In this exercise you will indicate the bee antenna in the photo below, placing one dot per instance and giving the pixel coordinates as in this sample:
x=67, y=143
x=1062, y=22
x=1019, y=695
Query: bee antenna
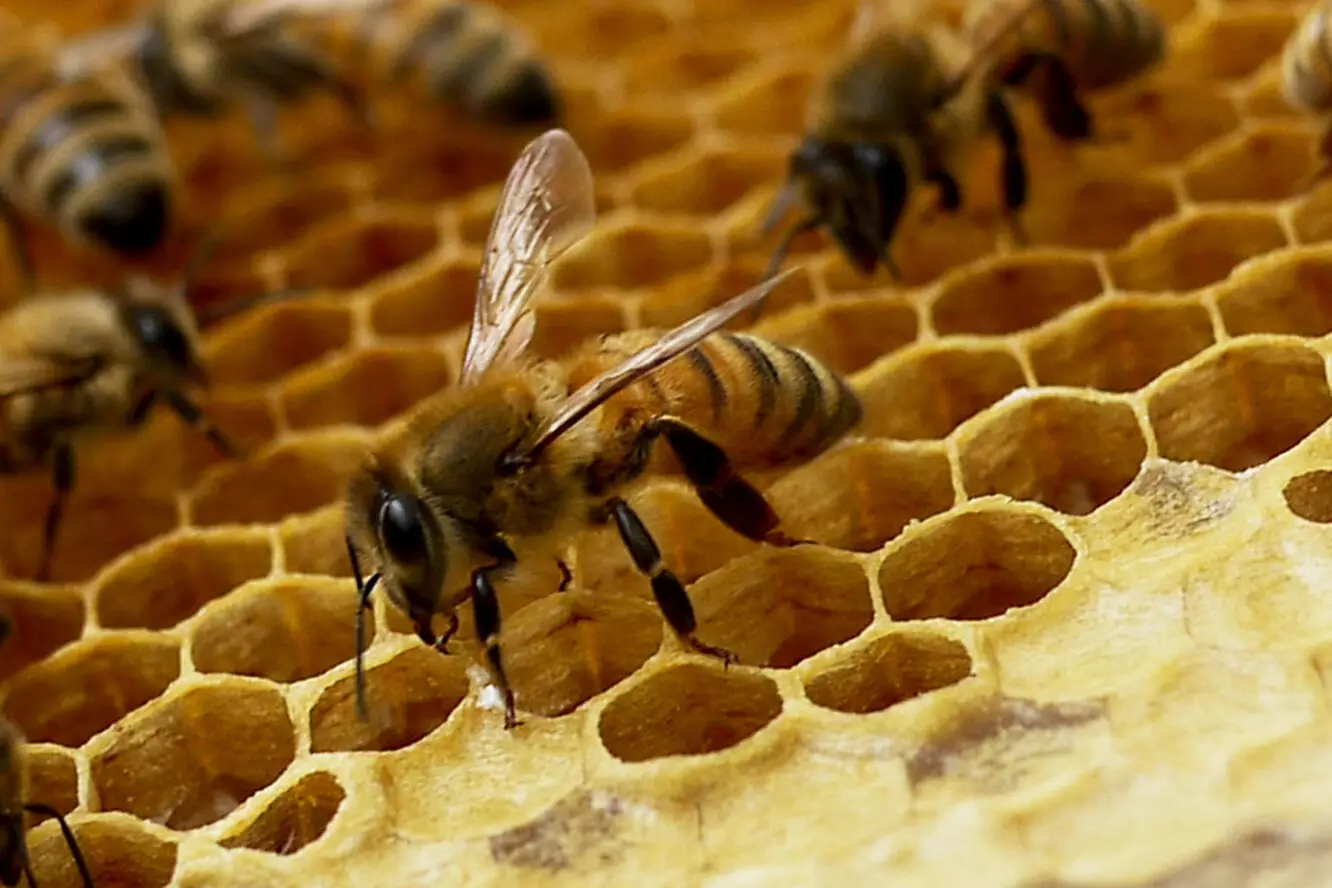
x=225, y=309
x=363, y=589
x=201, y=256
x=70, y=840
x=779, y=208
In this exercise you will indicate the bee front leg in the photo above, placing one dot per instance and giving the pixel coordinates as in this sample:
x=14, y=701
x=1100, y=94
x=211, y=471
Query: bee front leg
x=486, y=609
x=1000, y=118
x=672, y=598
x=62, y=476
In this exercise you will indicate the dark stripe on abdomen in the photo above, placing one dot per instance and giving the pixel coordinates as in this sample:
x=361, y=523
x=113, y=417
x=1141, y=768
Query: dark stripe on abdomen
x=432, y=39
x=91, y=165
x=716, y=391
x=61, y=124
x=811, y=400
x=764, y=370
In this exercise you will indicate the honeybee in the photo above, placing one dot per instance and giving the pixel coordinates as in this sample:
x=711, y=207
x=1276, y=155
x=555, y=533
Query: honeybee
x=14, y=805
x=1062, y=48
x=1306, y=69
x=904, y=105
x=523, y=452
x=82, y=149
x=82, y=362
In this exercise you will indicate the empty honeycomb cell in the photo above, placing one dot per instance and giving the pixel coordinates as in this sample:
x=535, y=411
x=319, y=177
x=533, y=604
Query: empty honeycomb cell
x=632, y=254
x=1014, y=293
x=673, y=69
x=283, y=630
x=1290, y=296
x=626, y=135
x=1102, y=213
x=53, y=780
x=861, y=495
x=1233, y=45
x=316, y=544
x=297, y=818
x=563, y=326
x=846, y=334
x=1312, y=218
x=1071, y=454
x=222, y=286
x=689, y=709
x=190, y=758
x=353, y=254
x=889, y=670
x=771, y=101
x=1310, y=496
x=298, y=477
x=974, y=566
x=408, y=697
x=158, y=587
x=707, y=182
x=603, y=29
x=42, y=620
x=1269, y=163
x=366, y=388
x=118, y=851
x=438, y=298
x=271, y=341
x=1196, y=250
x=429, y=173
x=279, y=215
x=85, y=688
x=1240, y=405
x=1165, y=122
x=930, y=389
x=776, y=607
x=1120, y=345
x=563, y=650
x=688, y=295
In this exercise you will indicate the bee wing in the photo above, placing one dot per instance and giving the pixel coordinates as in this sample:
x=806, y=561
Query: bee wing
x=546, y=206
x=873, y=16
x=35, y=372
x=664, y=350
x=79, y=56
x=245, y=17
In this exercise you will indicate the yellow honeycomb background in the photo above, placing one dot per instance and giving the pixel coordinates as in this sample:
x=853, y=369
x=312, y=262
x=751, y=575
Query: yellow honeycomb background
x=1072, y=624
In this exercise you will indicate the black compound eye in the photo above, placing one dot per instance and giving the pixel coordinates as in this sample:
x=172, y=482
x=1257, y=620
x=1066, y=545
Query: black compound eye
x=161, y=336
x=402, y=529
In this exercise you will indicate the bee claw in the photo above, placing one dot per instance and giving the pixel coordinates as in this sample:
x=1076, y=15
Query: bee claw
x=727, y=657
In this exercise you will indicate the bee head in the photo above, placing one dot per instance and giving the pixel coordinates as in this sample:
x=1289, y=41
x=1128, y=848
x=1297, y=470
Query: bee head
x=414, y=555
x=164, y=337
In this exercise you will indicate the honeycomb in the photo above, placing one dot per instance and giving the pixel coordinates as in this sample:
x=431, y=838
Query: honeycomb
x=1068, y=624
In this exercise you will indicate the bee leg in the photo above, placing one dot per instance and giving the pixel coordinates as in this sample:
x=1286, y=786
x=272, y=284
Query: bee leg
x=486, y=610
x=70, y=840
x=18, y=243
x=566, y=577
x=1015, y=166
x=672, y=598
x=1057, y=94
x=190, y=413
x=731, y=498
x=62, y=476
x=950, y=193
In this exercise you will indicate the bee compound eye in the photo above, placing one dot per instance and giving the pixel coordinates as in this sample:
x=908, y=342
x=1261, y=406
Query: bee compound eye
x=402, y=529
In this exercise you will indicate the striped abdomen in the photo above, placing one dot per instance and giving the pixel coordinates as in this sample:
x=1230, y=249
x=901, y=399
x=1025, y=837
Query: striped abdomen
x=83, y=153
x=1306, y=63
x=1103, y=43
x=763, y=403
x=469, y=54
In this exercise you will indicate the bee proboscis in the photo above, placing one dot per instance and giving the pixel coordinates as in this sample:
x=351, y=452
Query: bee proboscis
x=524, y=452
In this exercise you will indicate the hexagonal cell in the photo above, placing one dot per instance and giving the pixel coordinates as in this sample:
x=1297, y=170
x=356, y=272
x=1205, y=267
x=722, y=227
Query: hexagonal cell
x=1102, y=213
x=316, y=543
x=563, y=650
x=87, y=687
x=42, y=620
x=564, y=326
x=297, y=477
x=632, y=254
x=408, y=696
x=674, y=69
x=889, y=670
x=1071, y=454
x=272, y=340
x=770, y=101
x=707, y=181
x=1168, y=121
x=1196, y=250
x=1120, y=345
x=298, y=817
x=974, y=566
x=1014, y=293
x=688, y=295
x=357, y=251
x=776, y=607
x=1312, y=219
x=1310, y=496
x=689, y=709
x=627, y=135
x=366, y=388
x=928, y=245
x=601, y=30
x=1241, y=405
x=53, y=779
x=277, y=214
x=861, y=495
x=1292, y=294
x=117, y=849
x=1267, y=164
x=190, y=758
x=431, y=172
x=931, y=389
x=439, y=298
x=1234, y=45
x=284, y=630
x=847, y=334
x=158, y=587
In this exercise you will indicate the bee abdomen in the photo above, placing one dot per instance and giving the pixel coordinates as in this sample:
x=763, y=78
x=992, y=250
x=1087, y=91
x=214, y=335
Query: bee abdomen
x=1306, y=63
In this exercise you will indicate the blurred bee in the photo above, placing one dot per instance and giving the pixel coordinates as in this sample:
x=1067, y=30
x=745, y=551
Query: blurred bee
x=525, y=452
x=14, y=805
x=904, y=105
x=77, y=363
x=1062, y=48
x=1306, y=69
x=81, y=149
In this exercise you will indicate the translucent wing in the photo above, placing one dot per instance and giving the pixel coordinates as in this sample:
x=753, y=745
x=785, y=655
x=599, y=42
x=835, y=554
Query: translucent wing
x=250, y=14
x=81, y=55
x=546, y=207
x=664, y=350
x=33, y=373
x=873, y=16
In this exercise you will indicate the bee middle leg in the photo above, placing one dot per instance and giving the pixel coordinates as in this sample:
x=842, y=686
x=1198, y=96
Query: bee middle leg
x=62, y=476
x=1000, y=118
x=1056, y=93
x=191, y=414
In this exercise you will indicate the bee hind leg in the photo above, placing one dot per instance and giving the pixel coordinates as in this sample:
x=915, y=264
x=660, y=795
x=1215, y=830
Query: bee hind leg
x=671, y=595
x=1057, y=94
x=1001, y=120
x=62, y=476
